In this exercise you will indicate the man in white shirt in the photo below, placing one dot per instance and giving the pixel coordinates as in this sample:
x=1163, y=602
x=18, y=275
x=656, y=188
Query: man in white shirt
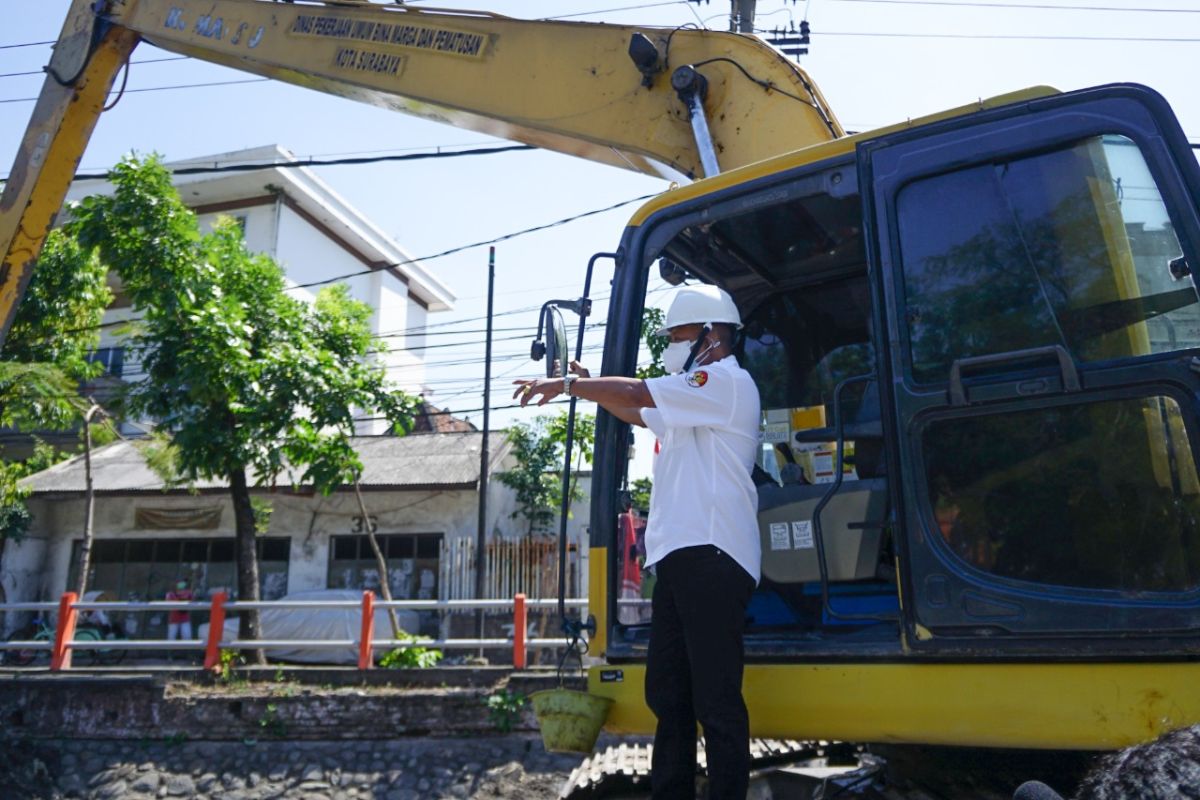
x=701, y=537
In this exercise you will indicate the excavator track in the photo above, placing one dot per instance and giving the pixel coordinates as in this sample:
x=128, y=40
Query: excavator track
x=817, y=770
x=623, y=771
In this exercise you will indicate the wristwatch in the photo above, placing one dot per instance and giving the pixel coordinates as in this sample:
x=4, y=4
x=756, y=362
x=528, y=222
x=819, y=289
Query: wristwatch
x=567, y=381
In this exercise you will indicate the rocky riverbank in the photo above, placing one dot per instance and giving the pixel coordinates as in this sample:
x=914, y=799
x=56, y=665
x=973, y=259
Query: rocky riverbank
x=428, y=768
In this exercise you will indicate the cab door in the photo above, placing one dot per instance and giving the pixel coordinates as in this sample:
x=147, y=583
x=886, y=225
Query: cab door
x=1033, y=268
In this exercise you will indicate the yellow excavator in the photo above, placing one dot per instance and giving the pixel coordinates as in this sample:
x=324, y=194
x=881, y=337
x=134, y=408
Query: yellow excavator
x=976, y=337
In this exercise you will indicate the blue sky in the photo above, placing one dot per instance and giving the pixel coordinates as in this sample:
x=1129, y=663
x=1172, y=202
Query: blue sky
x=877, y=61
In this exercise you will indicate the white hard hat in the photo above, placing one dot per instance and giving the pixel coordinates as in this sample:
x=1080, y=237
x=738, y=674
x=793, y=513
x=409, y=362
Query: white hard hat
x=701, y=303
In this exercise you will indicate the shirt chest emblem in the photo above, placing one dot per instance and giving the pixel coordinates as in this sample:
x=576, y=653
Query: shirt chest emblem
x=697, y=379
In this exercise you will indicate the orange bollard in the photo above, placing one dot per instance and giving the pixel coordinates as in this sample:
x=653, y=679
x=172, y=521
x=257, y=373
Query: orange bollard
x=60, y=655
x=216, y=632
x=519, y=625
x=365, y=661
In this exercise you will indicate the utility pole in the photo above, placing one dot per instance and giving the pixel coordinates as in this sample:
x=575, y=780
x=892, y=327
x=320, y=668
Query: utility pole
x=481, y=534
x=741, y=16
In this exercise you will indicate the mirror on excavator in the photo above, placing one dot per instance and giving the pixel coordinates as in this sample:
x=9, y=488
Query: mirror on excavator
x=554, y=348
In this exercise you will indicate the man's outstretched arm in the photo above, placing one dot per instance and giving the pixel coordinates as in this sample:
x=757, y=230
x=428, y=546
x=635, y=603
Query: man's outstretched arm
x=622, y=397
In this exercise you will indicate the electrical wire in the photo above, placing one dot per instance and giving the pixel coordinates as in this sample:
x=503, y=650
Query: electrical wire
x=1016, y=36
x=474, y=245
x=1037, y=6
x=143, y=61
x=416, y=331
x=25, y=44
x=312, y=162
x=333, y=162
x=448, y=412
x=611, y=10
x=768, y=85
x=160, y=88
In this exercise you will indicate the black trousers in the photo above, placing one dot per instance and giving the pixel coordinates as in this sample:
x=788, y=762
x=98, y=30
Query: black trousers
x=694, y=673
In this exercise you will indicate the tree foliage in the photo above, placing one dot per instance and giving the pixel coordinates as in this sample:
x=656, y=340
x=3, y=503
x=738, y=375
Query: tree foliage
x=249, y=381
x=14, y=516
x=539, y=448
x=56, y=321
x=43, y=358
x=652, y=320
x=639, y=492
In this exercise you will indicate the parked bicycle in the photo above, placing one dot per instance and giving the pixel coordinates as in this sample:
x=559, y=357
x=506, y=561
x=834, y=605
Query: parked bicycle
x=39, y=629
x=36, y=630
x=102, y=631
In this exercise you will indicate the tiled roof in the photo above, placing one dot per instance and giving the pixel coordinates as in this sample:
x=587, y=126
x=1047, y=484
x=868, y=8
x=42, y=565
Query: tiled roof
x=432, y=460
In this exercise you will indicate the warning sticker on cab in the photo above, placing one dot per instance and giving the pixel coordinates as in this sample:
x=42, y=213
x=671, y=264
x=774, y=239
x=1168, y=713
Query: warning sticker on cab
x=802, y=534
x=779, y=536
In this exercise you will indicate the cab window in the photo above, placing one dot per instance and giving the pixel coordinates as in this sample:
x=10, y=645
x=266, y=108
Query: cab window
x=1071, y=247
x=1099, y=495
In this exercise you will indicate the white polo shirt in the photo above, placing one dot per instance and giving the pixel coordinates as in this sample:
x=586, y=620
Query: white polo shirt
x=707, y=423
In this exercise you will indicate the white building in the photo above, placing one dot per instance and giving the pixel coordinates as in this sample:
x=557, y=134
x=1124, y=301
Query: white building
x=421, y=493
x=290, y=214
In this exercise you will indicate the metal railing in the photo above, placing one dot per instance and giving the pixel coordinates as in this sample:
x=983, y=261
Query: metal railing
x=64, y=643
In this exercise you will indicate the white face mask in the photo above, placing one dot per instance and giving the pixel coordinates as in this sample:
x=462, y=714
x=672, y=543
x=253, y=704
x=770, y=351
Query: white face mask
x=675, y=356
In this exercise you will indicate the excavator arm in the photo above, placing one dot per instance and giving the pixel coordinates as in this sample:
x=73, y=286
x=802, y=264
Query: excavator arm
x=680, y=102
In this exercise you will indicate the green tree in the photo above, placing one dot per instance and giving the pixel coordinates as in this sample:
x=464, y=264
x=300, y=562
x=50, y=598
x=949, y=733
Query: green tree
x=539, y=448
x=639, y=491
x=43, y=358
x=652, y=320
x=57, y=320
x=246, y=379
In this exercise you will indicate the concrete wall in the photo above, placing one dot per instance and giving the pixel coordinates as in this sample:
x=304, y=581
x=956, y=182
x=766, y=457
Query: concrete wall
x=353, y=705
x=259, y=226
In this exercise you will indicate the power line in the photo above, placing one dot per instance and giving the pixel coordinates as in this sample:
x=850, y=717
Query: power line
x=610, y=10
x=1015, y=36
x=1039, y=6
x=420, y=329
x=132, y=63
x=333, y=162
x=25, y=44
x=520, y=355
x=448, y=412
x=374, y=151
x=461, y=248
x=161, y=88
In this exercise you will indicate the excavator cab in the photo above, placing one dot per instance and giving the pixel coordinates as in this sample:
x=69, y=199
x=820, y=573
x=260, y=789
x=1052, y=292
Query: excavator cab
x=977, y=344
x=797, y=267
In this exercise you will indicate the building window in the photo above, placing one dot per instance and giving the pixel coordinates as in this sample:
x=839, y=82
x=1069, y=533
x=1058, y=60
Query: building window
x=412, y=564
x=112, y=358
x=145, y=569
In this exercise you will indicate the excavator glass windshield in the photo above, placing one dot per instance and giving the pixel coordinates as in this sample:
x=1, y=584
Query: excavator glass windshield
x=1072, y=248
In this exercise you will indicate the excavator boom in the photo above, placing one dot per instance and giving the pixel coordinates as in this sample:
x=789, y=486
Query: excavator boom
x=601, y=92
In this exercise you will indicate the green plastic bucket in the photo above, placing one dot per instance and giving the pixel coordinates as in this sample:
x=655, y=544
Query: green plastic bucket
x=570, y=721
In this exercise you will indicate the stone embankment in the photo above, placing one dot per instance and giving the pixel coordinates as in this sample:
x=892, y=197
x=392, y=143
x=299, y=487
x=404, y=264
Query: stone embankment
x=479, y=768
x=407, y=735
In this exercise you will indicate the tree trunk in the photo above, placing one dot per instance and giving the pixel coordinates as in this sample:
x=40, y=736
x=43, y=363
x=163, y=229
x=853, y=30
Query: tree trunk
x=247, y=559
x=89, y=502
x=380, y=563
